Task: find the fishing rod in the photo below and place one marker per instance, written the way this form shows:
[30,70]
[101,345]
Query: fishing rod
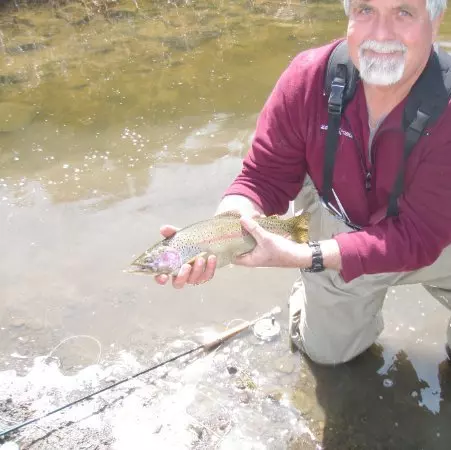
[208,346]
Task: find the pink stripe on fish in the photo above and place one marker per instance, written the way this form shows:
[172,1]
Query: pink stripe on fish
[223,238]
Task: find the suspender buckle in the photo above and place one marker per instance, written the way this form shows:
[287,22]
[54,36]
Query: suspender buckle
[335,103]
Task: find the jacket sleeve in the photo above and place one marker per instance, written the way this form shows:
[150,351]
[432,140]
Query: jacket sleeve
[417,236]
[274,169]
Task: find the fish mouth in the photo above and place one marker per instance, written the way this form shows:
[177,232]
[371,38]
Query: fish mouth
[140,269]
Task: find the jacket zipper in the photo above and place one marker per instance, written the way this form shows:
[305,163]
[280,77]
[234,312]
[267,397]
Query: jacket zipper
[366,172]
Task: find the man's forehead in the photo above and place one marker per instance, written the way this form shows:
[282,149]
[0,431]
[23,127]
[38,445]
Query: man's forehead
[391,3]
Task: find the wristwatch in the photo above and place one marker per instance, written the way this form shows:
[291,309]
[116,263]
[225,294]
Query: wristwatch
[317,258]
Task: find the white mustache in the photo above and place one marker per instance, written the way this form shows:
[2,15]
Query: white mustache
[383,47]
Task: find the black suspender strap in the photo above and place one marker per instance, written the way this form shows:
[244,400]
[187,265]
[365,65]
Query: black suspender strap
[413,133]
[427,100]
[339,83]
[335,107]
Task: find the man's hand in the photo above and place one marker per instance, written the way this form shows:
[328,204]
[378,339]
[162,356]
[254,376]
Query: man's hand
[276,251]
[198,273]
[202,271]
[273,250]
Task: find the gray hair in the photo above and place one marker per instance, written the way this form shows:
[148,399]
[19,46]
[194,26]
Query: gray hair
[434,7]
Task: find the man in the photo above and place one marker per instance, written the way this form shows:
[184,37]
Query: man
[336,313]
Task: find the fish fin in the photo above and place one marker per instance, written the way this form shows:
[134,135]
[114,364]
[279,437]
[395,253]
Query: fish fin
[222,260]
[298,212]
[199,255]
[229,214]
[300,227]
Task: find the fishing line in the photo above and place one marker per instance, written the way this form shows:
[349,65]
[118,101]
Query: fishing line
[86,397]
[77,336]
[219,339]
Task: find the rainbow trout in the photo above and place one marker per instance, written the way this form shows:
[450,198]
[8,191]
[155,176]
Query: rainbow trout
[222,236]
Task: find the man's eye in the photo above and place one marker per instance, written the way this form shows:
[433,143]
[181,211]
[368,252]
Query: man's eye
[364,10]
[405,13]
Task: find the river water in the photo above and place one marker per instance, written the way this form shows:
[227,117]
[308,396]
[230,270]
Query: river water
[116,118]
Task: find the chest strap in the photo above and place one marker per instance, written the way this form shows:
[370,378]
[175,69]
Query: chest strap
[426,101]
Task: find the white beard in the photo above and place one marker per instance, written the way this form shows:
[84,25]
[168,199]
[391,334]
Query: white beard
[383,70]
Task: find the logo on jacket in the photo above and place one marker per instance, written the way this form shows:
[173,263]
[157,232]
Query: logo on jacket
[340,131]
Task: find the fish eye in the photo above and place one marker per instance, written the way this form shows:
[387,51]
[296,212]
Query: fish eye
[148,260]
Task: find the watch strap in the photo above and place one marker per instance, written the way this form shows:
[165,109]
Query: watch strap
[317,258]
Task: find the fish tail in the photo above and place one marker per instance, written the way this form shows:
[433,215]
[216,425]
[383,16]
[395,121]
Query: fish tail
[300,227]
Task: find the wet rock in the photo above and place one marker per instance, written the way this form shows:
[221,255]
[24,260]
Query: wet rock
[21,21]
[35,325]
[198,430]
[23,48]
[222,422]
[189,41]
[244,398]
[11,79]
[304,401]
[74,15]
[84,21]
[245,382]
[274,396]
[17,322]
[15,116]
[181,43]
[284,364]
[208,35]
[285,13]
[120,14]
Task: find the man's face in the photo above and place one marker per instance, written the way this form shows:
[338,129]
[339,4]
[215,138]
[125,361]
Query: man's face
[390,40]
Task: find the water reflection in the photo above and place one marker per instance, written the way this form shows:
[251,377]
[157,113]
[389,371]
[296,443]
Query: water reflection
[163,61]
[362,409]
[114,164]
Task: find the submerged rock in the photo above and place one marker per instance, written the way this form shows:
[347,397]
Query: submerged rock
[120,14]
[23,48]
[15,116]
[74,14]
[11,79]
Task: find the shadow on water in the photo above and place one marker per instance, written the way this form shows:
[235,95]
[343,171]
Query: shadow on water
[396,394]
[360,408]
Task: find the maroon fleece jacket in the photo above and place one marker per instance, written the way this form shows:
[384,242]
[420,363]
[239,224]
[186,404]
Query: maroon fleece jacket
[290,142]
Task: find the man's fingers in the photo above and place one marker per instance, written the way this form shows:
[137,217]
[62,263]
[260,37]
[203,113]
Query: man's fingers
[202,271]
[182,277]
[244,260]
[257,232]
[211,267]
[197,271]
[161,279]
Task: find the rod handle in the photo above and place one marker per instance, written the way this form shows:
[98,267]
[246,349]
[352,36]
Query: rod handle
[226,335]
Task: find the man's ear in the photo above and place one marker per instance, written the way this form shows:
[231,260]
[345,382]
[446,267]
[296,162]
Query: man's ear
[436,25]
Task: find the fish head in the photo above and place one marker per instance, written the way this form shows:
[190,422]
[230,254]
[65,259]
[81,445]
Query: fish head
[162,259]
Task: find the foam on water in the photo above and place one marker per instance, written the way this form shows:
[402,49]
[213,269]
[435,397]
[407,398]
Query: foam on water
[191,403]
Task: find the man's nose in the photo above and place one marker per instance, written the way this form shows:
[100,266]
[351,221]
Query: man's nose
[383,29]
